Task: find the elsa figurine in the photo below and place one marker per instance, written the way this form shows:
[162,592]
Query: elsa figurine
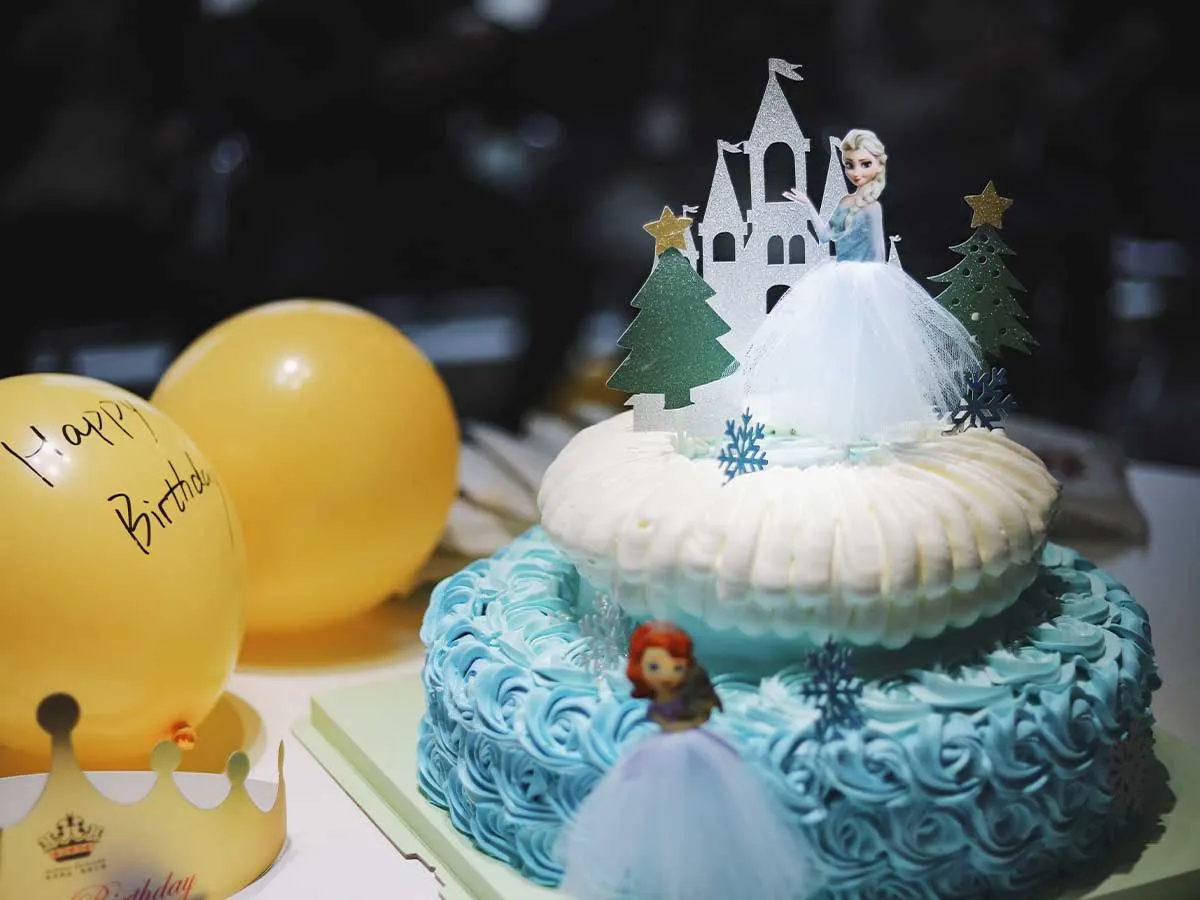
[681,817]
[857,351]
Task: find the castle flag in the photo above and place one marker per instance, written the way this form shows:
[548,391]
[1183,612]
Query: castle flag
[785,68]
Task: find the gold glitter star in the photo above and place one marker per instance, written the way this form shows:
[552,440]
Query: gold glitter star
[668,231]
[987,208]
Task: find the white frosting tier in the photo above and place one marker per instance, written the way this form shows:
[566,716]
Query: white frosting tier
[899,542]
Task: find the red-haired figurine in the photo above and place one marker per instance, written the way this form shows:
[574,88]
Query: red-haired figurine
[681,817]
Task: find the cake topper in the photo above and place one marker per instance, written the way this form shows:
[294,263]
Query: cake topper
[987,207]
[77,844]
[987,401]
[1129,767]
[668,818]
[749,256]
[743,453]
[979,289]
[605,630]
[672,342]
[856,351]
[834,688]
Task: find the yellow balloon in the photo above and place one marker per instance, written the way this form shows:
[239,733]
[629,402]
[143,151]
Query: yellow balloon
[337,440]
[123,565]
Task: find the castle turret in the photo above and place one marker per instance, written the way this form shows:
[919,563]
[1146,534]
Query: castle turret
[781,243]
[723,228]
[776,131]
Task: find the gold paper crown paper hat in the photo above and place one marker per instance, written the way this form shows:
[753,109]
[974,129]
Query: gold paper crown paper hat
[78,844]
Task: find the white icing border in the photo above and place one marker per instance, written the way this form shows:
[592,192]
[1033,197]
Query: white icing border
[902,543]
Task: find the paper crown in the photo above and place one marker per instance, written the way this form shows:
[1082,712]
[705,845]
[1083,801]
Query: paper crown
[78,844]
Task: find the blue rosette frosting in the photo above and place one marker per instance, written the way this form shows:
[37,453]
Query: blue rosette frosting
[981,766]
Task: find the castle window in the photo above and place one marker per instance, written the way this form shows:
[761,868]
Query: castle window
[775,294]
[779,171]
[796,249]
[723,247]
[775,251]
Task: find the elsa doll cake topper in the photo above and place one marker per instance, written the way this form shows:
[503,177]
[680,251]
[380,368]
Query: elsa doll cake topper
[856,351]
[681,816]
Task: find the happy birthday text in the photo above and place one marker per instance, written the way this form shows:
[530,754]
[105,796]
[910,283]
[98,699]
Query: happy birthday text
[143,523]
[169,887]
[109,423]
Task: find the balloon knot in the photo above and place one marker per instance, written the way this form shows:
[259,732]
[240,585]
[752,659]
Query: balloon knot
[184,736]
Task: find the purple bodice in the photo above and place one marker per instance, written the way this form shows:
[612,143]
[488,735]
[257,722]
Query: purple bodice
[672,710]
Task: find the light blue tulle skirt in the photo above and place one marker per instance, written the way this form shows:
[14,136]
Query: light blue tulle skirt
[857,351]
[681,817]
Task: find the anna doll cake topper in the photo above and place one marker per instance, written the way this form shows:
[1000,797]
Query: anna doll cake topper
[681,816]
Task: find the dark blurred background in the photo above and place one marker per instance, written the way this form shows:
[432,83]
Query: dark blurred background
[478,172]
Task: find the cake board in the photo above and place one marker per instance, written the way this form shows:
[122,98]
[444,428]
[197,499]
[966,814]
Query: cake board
[365,736]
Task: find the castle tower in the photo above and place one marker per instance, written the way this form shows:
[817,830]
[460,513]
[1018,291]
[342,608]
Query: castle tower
[781,243]
[723,233]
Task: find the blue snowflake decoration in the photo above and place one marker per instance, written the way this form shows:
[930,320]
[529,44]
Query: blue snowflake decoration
[834,688]
[986,403]
[742,454]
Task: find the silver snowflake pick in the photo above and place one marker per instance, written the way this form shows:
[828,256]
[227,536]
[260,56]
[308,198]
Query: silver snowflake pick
[986,403]
[743,453]
[1130,764]
[835,689]
[606,633]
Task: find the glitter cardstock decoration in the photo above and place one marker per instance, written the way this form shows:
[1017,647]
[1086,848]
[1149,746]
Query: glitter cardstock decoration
[606,631]
[834,688]
[749,247]
[980,288]
[986,403]
[77,844]
[668,231]
[1130,766]
[743,453]
[988,208]
[672,342]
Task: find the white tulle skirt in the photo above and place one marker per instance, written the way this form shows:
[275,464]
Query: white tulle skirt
[681,817]
[857,351]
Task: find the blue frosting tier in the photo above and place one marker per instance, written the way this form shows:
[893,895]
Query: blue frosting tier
[982,766]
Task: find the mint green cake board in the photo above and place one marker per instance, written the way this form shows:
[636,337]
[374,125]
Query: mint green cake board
[366,738]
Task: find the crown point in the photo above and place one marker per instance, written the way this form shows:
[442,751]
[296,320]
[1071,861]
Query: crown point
[166,757]
[58,714]
[238,768]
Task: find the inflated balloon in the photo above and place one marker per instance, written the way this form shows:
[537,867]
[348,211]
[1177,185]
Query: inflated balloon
[339,444]
[124,574]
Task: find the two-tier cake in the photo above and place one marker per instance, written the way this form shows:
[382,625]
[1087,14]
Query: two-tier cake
[990,722]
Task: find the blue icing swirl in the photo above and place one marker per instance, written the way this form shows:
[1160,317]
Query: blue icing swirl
[981,766]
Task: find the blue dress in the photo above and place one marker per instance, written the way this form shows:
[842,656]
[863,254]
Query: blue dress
[682,817]
[857,352]
[862,239]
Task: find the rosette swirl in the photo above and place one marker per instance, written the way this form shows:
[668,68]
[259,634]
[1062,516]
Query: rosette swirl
[982,775]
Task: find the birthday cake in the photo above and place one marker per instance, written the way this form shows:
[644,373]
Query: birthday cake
[811,483]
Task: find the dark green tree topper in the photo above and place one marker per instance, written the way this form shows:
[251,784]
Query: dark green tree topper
[979,291]
[672,342]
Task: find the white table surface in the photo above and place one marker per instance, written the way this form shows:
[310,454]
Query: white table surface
[335,852]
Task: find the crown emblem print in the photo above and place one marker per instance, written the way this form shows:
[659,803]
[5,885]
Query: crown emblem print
[73,838]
